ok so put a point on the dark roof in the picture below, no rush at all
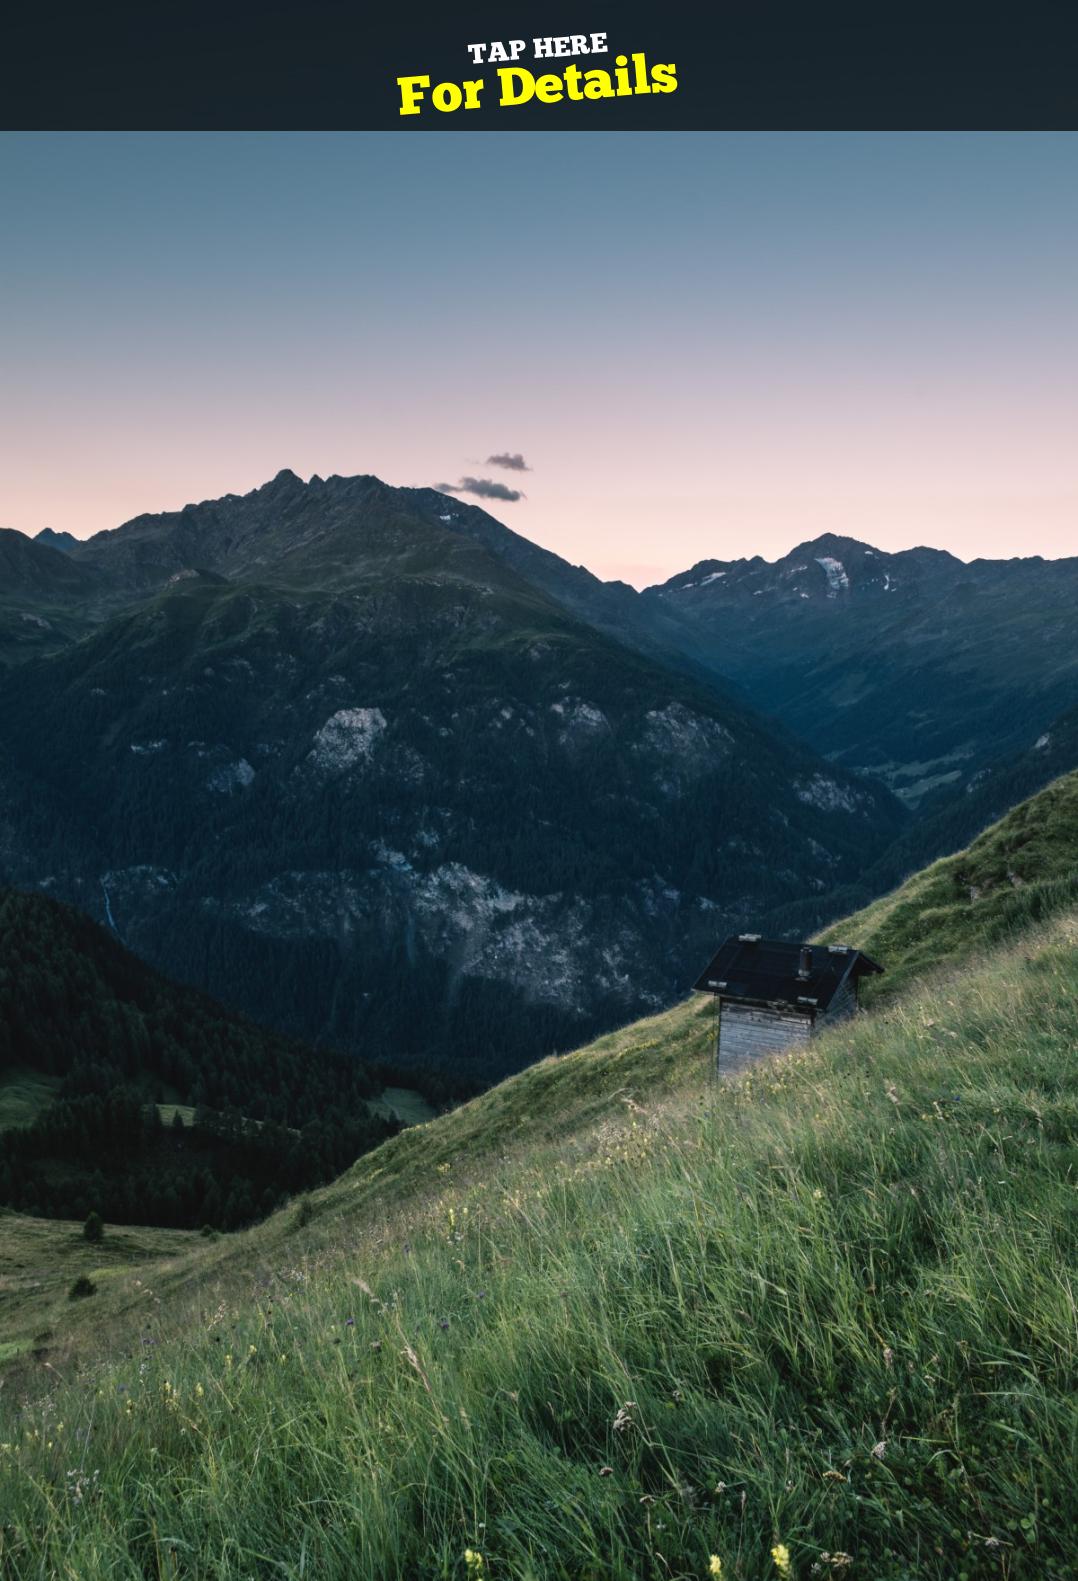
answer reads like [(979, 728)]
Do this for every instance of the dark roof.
[(762, 970)]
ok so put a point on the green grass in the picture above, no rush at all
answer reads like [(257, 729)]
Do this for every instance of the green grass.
[(837, 1293), (23, 1095), (40, 1259), (1018, 872), (169, 1111)]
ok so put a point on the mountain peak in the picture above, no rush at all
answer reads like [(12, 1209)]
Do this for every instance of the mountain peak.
[(830, 543), (286, 478), (64, 541)]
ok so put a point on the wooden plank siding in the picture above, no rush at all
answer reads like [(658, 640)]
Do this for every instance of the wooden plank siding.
[(748, 1032)]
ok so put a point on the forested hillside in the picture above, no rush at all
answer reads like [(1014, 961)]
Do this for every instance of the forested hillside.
[(105, 1040)]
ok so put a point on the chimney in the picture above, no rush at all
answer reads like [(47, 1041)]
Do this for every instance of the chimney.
[(805, 968)]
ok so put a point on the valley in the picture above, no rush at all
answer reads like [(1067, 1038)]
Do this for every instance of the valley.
[(610, 1287)]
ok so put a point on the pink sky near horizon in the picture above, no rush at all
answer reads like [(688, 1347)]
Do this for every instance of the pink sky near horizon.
[(705, 346)]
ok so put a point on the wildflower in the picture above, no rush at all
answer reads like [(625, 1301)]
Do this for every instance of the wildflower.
[(350, 1322), (781, 1556), (252, 1350), (199, 1391), (473, 1561), (623, 1419), (880, 1449), (714, 1566)]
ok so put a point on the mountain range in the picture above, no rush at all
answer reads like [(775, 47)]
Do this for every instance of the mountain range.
[(371, 767), (914, 667), (330, 755)]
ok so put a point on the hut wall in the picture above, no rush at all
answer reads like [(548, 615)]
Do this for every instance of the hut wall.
[(844, 1004), (748, 1032)]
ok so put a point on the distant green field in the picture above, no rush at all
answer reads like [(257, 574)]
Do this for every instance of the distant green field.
[(169, 1111), (401, 1103), (23, 1095)]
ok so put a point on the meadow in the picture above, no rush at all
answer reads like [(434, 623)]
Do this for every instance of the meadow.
[(614, 1321)]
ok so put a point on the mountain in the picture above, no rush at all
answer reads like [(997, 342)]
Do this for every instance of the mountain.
[(335, 525), (344, 767), (95, 1039), (41, 596), (913, 667), (608, 1310), (64, 541), (32, 568), (951, 823)]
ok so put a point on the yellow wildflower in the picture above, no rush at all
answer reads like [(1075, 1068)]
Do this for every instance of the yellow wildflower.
[(781, 1555), (473, 1562), (714, 1566)]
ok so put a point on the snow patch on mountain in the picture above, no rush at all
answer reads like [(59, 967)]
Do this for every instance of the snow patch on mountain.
[(835, 571)]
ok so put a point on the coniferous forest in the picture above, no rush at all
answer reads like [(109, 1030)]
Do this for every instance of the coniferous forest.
[(158, 1106)]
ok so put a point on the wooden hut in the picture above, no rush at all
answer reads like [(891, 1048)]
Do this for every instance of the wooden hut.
[(773, 994)]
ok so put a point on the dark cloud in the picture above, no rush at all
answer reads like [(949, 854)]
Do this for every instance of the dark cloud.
[(511, 463), (483, 488)]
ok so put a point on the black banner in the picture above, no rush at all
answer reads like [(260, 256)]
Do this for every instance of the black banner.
[(589, 65)]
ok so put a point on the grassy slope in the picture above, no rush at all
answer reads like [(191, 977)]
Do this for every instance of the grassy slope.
[(835, 1291), (864, 1246), (24, 1093), (1021, 869), (40, 1259)]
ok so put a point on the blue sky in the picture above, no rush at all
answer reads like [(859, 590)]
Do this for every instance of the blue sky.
[(704, 344)]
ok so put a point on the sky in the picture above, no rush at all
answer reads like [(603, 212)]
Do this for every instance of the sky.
[(702, 344)]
